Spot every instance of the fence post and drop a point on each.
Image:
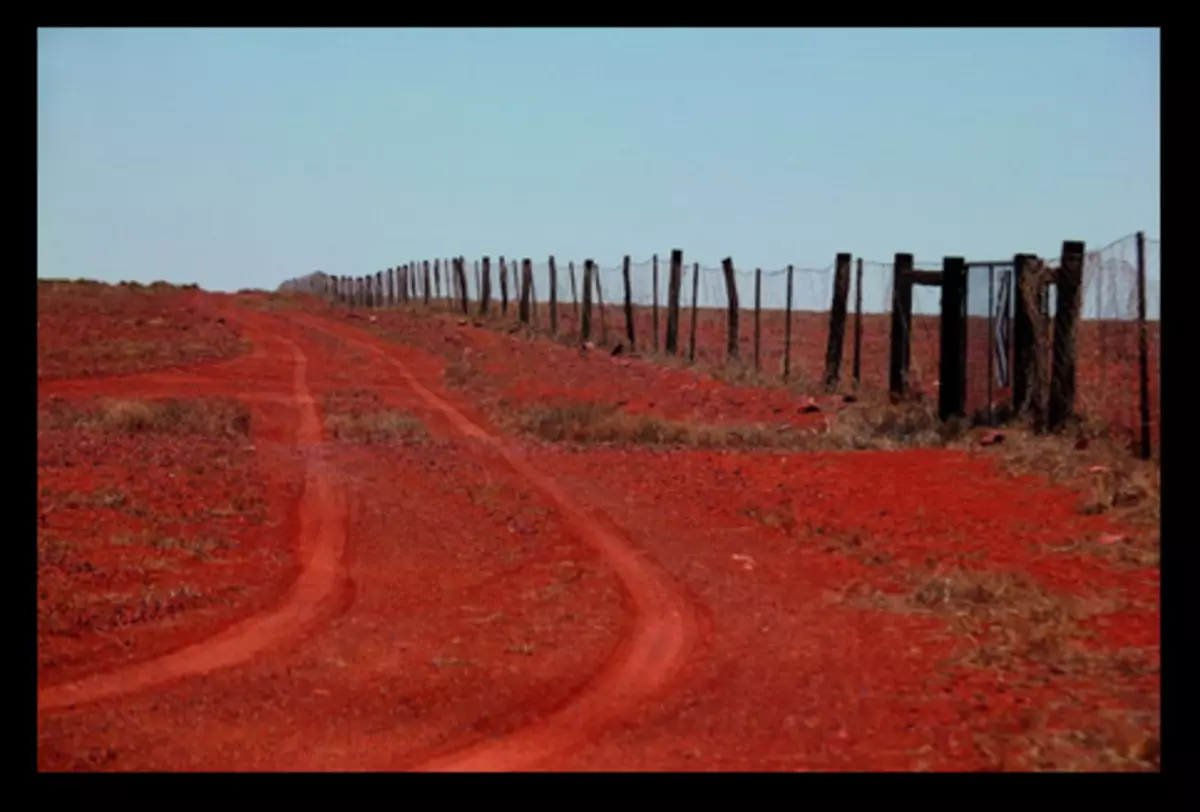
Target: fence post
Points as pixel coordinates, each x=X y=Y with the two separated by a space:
x=585 y=324
x=1143 y=348
x=425 y=281
x=1022 y=337
x=437 y=279
x=574 y=292
x=526 y=273
x=732 y=350
x=533 y=297
x=695 y=296
x=460 y=273
x=503 y=286
x=901 y=320
x=380 y=295
x=952 y=371
x=991 y=346
x=553 y=297
x=757 y=316
x=787 y=328
x=600 y=306
x=486 y=298
x=629 y=331
x=837 y=322
x=674 y=283
x=1068 y=292
x=858 y=325
x=654 y=281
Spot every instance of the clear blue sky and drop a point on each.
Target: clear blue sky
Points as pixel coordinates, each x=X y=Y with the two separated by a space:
x=241 y=157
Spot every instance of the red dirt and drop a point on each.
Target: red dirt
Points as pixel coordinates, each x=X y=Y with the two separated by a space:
x=96 y=329
x=464 y=601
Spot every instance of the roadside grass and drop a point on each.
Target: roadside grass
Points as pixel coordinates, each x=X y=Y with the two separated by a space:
x=360 y=416
x=207 y=417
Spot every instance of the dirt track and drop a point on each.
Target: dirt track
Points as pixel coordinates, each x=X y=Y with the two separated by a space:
x=662 y=628
x=471 y=603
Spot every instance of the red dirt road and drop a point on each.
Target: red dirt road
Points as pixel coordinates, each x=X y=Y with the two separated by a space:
x=660 y=633
x=463 y=601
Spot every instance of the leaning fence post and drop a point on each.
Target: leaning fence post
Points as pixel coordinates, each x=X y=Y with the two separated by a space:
x=732 y=335
x=1068 y=289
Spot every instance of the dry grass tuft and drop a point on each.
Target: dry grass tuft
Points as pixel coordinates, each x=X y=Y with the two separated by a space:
x=208 y=417
x=1012 y=622
x=381 y=426
x=593 y=423
x=1113 y=481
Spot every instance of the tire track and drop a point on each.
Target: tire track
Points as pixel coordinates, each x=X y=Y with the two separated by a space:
x=322 y=523
x=664 y=628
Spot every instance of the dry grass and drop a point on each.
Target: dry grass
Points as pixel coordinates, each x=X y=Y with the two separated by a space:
x=208 y=417
x=1111 y=480
x=854 y=428
x=380 y=426
x=1013 y=623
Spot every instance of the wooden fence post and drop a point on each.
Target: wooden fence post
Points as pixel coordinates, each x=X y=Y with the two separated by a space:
x=901 y=324
x=695 y=297
x=380 y=298
x=1069 y=291
x=757 y=318
x=732 y=349
x=1143 y=348
x=837 y=322
x=486 y=298
x=1023 y=339
x=553 y=298
x=585 y=324
x=952 y=366
x=425 y=279
x=574 y=292
x=858 y=325
x=629 y=331
x=516 y=282
x=787 y=329
x=437 y=279
x=503 y=286
x=600 y=306
x=674 y=283
x=526 y=272
x=460 y=271
x=478 y=283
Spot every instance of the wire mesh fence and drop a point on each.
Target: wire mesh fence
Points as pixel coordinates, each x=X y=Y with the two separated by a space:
x=784 y=319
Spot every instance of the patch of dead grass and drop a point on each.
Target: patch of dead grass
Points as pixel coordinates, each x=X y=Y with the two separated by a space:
x=208 y=417
x=377 y=426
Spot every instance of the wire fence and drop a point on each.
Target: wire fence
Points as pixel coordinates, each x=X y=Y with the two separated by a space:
x=785 y=317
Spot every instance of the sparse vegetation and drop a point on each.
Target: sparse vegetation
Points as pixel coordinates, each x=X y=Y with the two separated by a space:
x=209 y=417
x=383 y=426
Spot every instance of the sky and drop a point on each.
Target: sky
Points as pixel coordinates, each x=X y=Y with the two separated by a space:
x=243 y=157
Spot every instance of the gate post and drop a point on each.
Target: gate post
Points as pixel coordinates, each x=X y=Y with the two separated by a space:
x=1068 y=291
x=901 y=319
x=952 y=390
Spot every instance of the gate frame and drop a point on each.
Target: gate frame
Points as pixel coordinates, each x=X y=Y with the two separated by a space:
x=952 y=378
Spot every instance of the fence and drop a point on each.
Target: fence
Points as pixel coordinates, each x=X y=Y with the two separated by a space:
x=848 y=326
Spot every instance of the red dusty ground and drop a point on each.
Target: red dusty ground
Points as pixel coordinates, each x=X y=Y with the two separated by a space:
x=468 y=603
x=398 y=677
